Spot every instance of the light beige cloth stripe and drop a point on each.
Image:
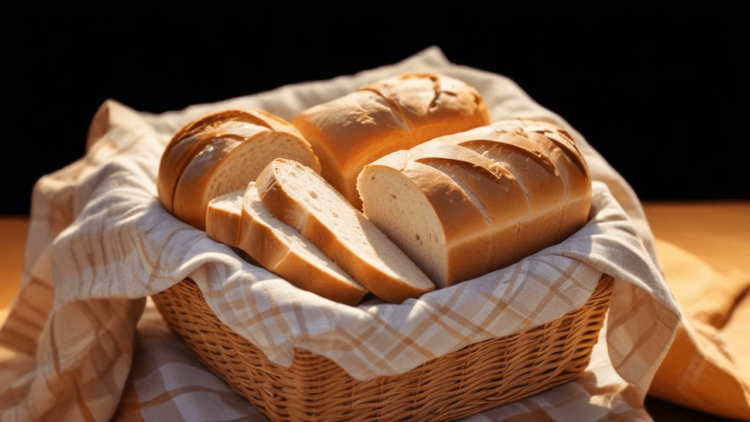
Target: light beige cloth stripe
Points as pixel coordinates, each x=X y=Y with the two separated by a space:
x=100 y=243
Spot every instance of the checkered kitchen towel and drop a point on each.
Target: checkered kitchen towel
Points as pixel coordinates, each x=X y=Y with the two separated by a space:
x=100 y=243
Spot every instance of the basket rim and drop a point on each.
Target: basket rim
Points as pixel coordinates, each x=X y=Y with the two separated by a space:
x=605 y=282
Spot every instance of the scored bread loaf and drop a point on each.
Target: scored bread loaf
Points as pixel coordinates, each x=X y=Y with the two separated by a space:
x=220 y=153
x=240 y=219
x=388 y=115
x=526 y=180
x=301 y=198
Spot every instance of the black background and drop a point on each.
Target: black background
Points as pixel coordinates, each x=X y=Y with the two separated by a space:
x=657 y=88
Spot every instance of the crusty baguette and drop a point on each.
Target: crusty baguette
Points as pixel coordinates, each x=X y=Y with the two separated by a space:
x=391 y=114
x=277 y=246
x=301 y=198
x=527 y=179
x=220 y=153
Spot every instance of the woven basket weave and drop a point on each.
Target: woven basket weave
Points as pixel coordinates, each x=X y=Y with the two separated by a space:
x=478 y=377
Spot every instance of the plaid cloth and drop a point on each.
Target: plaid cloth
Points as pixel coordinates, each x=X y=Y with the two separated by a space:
x=100 y=243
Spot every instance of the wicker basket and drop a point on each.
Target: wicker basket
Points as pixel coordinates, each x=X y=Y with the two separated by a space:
x=478 y=377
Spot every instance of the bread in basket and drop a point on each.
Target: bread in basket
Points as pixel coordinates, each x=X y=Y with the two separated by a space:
x=476 y=376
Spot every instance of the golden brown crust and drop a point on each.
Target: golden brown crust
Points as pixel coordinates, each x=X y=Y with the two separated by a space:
x=528 y=180
x=496 y=192
x=209 y=121
x=569 y=161
x=433 y=105
x=196 y=155
x=234 y=219
x=222 y=222
x=468 y=235
x=458 y=215
x=185 y=144
x=554 y=173
x=190 y=201
x=348 y=132
x=307 y=276
x=388 y=115
x=540 y=180
x=180 y=152
x=193 y=138
x=381 y=284
x=277 y=200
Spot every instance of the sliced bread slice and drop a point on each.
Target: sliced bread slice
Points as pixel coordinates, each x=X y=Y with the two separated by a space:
x=301 y=198
x=221 y=152
x=278 y=247
x=181 y=151
x=283 y=250
x=228 y=163
x=223 y=218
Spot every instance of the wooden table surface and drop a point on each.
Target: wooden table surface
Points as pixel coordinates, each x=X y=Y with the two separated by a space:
x=696 y=227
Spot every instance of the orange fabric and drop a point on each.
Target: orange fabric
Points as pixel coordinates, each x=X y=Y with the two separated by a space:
x=13 y=231
x=704 y=250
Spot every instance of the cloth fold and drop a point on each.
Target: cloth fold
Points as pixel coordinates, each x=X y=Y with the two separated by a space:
x=100 y=244
x=708 y=364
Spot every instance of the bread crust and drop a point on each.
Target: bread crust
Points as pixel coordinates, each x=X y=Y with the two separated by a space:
x=497 y=193
x=528 y=179
x=570 y=162
x=190 y=200
x=189 y=166
x=432 y=104
x=180 y=152
x=290 y=208
x=468 y=235
x=223 y=218
x=388 y=115
x=530 y=164
x=260 y=238
x=234 y=219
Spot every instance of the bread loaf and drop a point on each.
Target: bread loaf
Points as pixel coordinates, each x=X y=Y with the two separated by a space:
x=301 y=198
x=525 y=182
x=278 y=247
x=220 y=153
x=392 y=114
